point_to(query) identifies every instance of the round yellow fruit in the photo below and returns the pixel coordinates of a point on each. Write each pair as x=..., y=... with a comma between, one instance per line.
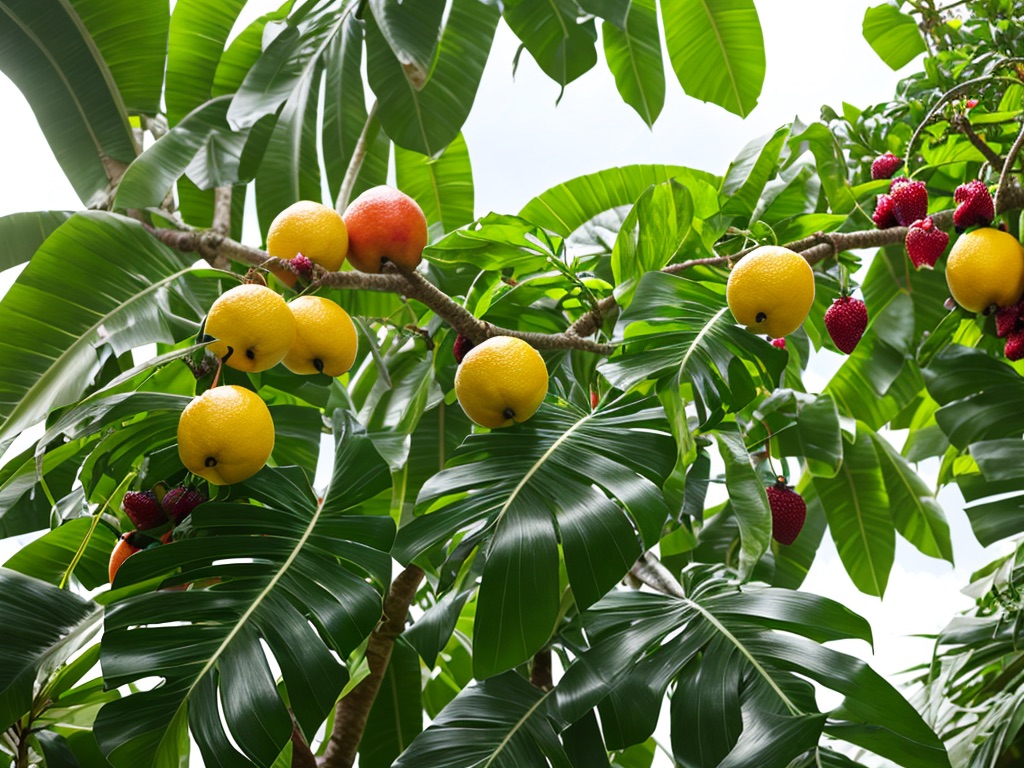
x=771, y=290
x=225, y=435
x=315, y=230
x=985, y=267
x=500, y=381
x=325, y=337
x=253, y=328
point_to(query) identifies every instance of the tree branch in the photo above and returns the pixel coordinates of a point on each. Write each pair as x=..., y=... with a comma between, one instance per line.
x=1005, y=185
x=962, y=124
x=302, y=755
x=355, y=163
x=540, y=671
x=351, y=712
x=222, y=211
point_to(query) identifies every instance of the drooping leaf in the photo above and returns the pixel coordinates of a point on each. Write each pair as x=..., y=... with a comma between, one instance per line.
x=442, y=187
x=563, y=47
x=412, y=31
x=717, y=51
x=344, y=102
x=50, y=556
x=632, y=48
x=748, y=500
x=245, y=50
x=23, y=233
x=893, y=35
x=748, y=174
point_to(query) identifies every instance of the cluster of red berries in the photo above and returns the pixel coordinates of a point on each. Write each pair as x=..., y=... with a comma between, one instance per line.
x=154, y=518
x=1010, y=326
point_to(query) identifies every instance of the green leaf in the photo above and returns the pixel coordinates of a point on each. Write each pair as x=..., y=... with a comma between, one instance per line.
x=50, y=556
x=23, y=233
x=568, y=206
x=48, y=53
x=344, y=112
x=236, y=61
x=497, y=242
x=651, y=236
x=856, y=504
x=563, y=47
x=58, y=335
x=502, y=722
x=632, y=49
x=396, y=717
x=198, y=32
x=442, y=187
x=44, y=626
x=681, y=331
x=830, y=161
x=806, y=426
x=749, y=173
x=134, y=52
x=312, y=594
x=411, y=30
x=717, y=50
x=893, y=35
x=428, y=119
x=749, y=501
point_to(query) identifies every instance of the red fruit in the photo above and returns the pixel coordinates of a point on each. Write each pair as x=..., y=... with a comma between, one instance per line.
x=971, y=103
x=845, y=322
x=780, y=343
x=302, y=264
x=975, y=205
x=143, y=510
x=594, y=399
x=1007, y=319
x=909, y=201
x=126, y=546
x=179, y=502
x=1014, y=348
x=883, y=215
x=884, y=166
x=925, y=243
x=462, y=346
x=789, y=511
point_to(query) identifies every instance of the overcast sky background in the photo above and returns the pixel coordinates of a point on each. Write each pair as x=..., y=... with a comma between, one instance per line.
x=521, y=143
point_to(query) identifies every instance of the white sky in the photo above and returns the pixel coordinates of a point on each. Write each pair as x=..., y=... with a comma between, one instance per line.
x=521, y=143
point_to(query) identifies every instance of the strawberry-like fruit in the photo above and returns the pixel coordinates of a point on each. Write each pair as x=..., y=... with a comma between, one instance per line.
x=909, y=201
x=594, y=399
x=883, y=215
x=179, y=502
x=1008, y=319
x=143, y=510
x=845, y=322
x=462, y=346
x=925, y=243
x=1014, y=348
x=302, y=264
x=789, y=511
x=780, y=343
x=884, y=166
x=975, y=205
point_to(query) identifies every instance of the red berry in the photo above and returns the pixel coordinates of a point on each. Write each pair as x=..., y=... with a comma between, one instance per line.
x=925, y=243
x=780, y=343
x=143, y=510
x=971, y=103
x=594, y=400
x=302, y=264
x=975, y=205
x=845, y=322
x=897, y=181
x=883, y=215
x=1014, y=349
x=909, y=201
x=179, y=502
x=789, y=511
x=462, y=346
x=884, y=166
x=1008, y=319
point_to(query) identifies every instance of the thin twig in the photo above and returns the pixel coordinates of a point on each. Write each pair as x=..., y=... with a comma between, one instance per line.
x=355, y=163
x=1004, y=176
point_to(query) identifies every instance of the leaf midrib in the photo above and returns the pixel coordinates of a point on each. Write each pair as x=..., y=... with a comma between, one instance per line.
x=515, y=729
x=728, y=62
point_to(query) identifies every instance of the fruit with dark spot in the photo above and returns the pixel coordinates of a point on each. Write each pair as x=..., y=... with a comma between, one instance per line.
x=253, y=328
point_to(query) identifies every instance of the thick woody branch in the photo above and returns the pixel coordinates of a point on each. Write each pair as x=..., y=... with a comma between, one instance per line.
x=222, y=211
x=351, y=712
x=962, y=124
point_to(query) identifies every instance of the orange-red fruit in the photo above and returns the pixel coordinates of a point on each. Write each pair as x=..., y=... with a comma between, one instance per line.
x=121, y=552
x=384, y=223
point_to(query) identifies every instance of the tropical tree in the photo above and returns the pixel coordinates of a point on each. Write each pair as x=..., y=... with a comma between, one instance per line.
x=403, y=588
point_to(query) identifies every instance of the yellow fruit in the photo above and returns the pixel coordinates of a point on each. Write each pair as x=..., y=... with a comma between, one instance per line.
x=253, y=326
x=315, y=230
x=225, y=435
x=325, y=337
x=500, y=381
x=985, y=267
x=771, y=290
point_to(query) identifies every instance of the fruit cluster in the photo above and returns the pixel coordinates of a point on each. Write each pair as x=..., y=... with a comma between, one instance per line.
x=155, y=514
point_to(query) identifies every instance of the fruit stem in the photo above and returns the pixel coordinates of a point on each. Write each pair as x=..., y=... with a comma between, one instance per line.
x=508, y=413
x=220, y=367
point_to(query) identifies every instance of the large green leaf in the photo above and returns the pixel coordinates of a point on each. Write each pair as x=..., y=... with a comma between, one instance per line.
x=857, y=506
x=428, y=119
x=132, y=40
x=412, y=31
x=344, y=102
x=748, y=500
x=23, y=233
x=245, y=50
x=893, y=35
x=806, y=426
x=48, y=53
x=750, y=172
x=562, y=45
x=57, y=334
x=303, y=577
x=442, y=187
x=43, y=627
x=632, y=48
x=50, y=557
x=717, y=50
x=597, y=474
x=682, y=332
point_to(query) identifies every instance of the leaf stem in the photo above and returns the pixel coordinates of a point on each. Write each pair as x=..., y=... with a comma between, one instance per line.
x=92, y=529
x=355, y=163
